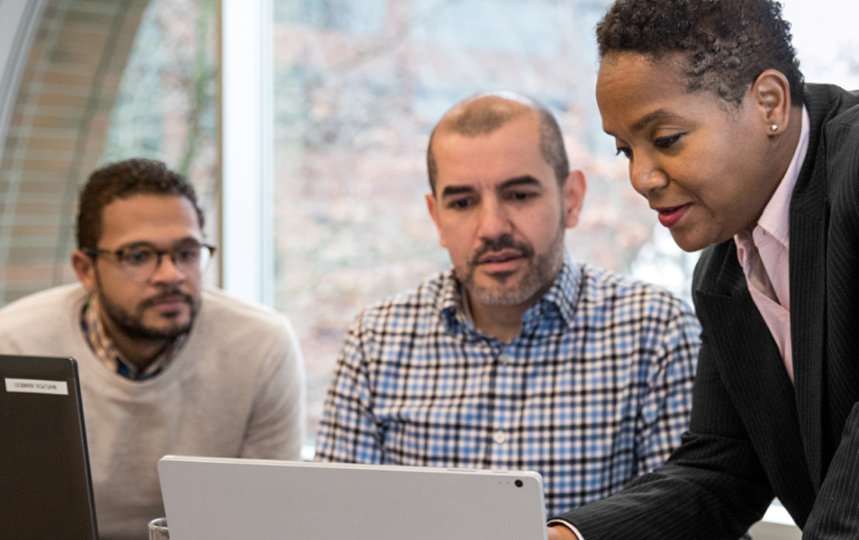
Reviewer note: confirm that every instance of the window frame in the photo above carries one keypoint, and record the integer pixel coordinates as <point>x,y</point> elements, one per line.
<point>247,140</point>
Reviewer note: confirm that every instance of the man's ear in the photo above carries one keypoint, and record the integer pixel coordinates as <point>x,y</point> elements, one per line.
<point>432,208</point>
<point>771,92</point>
<point>573,194</point>
<point>84,268</point>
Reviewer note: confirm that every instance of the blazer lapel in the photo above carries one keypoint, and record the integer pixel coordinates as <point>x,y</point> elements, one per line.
<point>808,218</point>
<point>752,368</point>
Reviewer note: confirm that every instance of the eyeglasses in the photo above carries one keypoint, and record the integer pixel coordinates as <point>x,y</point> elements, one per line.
<point>140,261</point>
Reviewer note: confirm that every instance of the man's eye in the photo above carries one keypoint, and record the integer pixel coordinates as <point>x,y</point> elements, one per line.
<point>459,204</point>
<point>188,254</point>
<point>137,257</point>
<point>520,195</point>
<point>667,142</point>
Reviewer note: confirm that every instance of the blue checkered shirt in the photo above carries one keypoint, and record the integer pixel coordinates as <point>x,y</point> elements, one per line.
<point>595,390</point>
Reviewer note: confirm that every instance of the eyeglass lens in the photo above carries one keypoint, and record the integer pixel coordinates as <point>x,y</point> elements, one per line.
<point>141,261</point>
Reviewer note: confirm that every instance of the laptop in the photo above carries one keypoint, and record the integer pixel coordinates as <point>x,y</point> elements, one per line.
<point>224,498</point>
<point>45,486</point>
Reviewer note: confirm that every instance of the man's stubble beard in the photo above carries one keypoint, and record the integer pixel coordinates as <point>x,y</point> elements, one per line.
<point>540,273</point>
<point>132,325</point>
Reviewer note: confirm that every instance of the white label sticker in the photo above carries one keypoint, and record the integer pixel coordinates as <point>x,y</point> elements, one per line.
<point>37,386</point>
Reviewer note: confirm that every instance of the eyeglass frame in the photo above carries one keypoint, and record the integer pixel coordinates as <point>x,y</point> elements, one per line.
<point>117,255</point>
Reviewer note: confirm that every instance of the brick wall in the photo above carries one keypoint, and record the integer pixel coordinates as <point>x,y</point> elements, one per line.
<point>57,135</point>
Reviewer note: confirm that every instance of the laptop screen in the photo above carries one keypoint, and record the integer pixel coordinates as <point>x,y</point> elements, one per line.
<point>209,498</point>
<point>44,471</point>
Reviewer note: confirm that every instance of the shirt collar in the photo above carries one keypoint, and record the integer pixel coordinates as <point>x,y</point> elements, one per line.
<point>109,354</point>
<point>564,292</point>
<point>775,219</point>
<point>560,298</point>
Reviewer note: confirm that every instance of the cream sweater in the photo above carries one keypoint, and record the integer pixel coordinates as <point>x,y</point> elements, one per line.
<point>234,390</point>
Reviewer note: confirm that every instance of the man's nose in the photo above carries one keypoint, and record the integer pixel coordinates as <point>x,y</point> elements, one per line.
<point>166,269</point>
<point>494,220</point>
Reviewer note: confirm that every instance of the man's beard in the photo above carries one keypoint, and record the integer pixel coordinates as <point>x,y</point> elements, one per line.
<point>131,324</point>
<point>540,272</point>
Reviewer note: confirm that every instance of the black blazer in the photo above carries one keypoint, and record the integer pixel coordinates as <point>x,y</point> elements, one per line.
<point>753,434</point>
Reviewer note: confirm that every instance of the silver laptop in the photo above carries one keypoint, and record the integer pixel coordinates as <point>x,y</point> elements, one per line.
<point>45,487</point>
<point>220,498</point>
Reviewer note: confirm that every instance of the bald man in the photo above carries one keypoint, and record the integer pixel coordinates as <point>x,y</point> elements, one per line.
<point>517,357</point>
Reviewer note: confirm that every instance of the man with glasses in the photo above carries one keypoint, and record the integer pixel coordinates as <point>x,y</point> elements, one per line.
<point>167,366</point>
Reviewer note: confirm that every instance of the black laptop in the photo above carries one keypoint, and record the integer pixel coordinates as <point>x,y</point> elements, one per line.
<point>45,486</point>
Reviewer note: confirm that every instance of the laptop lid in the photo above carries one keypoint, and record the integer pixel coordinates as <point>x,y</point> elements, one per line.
<point>220,498</point>
<point>45,488</point>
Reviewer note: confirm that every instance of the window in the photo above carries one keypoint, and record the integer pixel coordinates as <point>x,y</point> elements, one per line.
<point>359,86</point>
<point>103,81</point>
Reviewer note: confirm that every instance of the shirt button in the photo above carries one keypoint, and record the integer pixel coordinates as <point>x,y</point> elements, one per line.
<point>505,359</point>
<point>499,437</point>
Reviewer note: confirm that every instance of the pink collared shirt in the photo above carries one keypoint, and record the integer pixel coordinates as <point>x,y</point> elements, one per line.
<point>763,254</point>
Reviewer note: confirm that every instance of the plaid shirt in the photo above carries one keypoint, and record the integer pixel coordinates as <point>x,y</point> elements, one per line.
<point>595,390</point>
